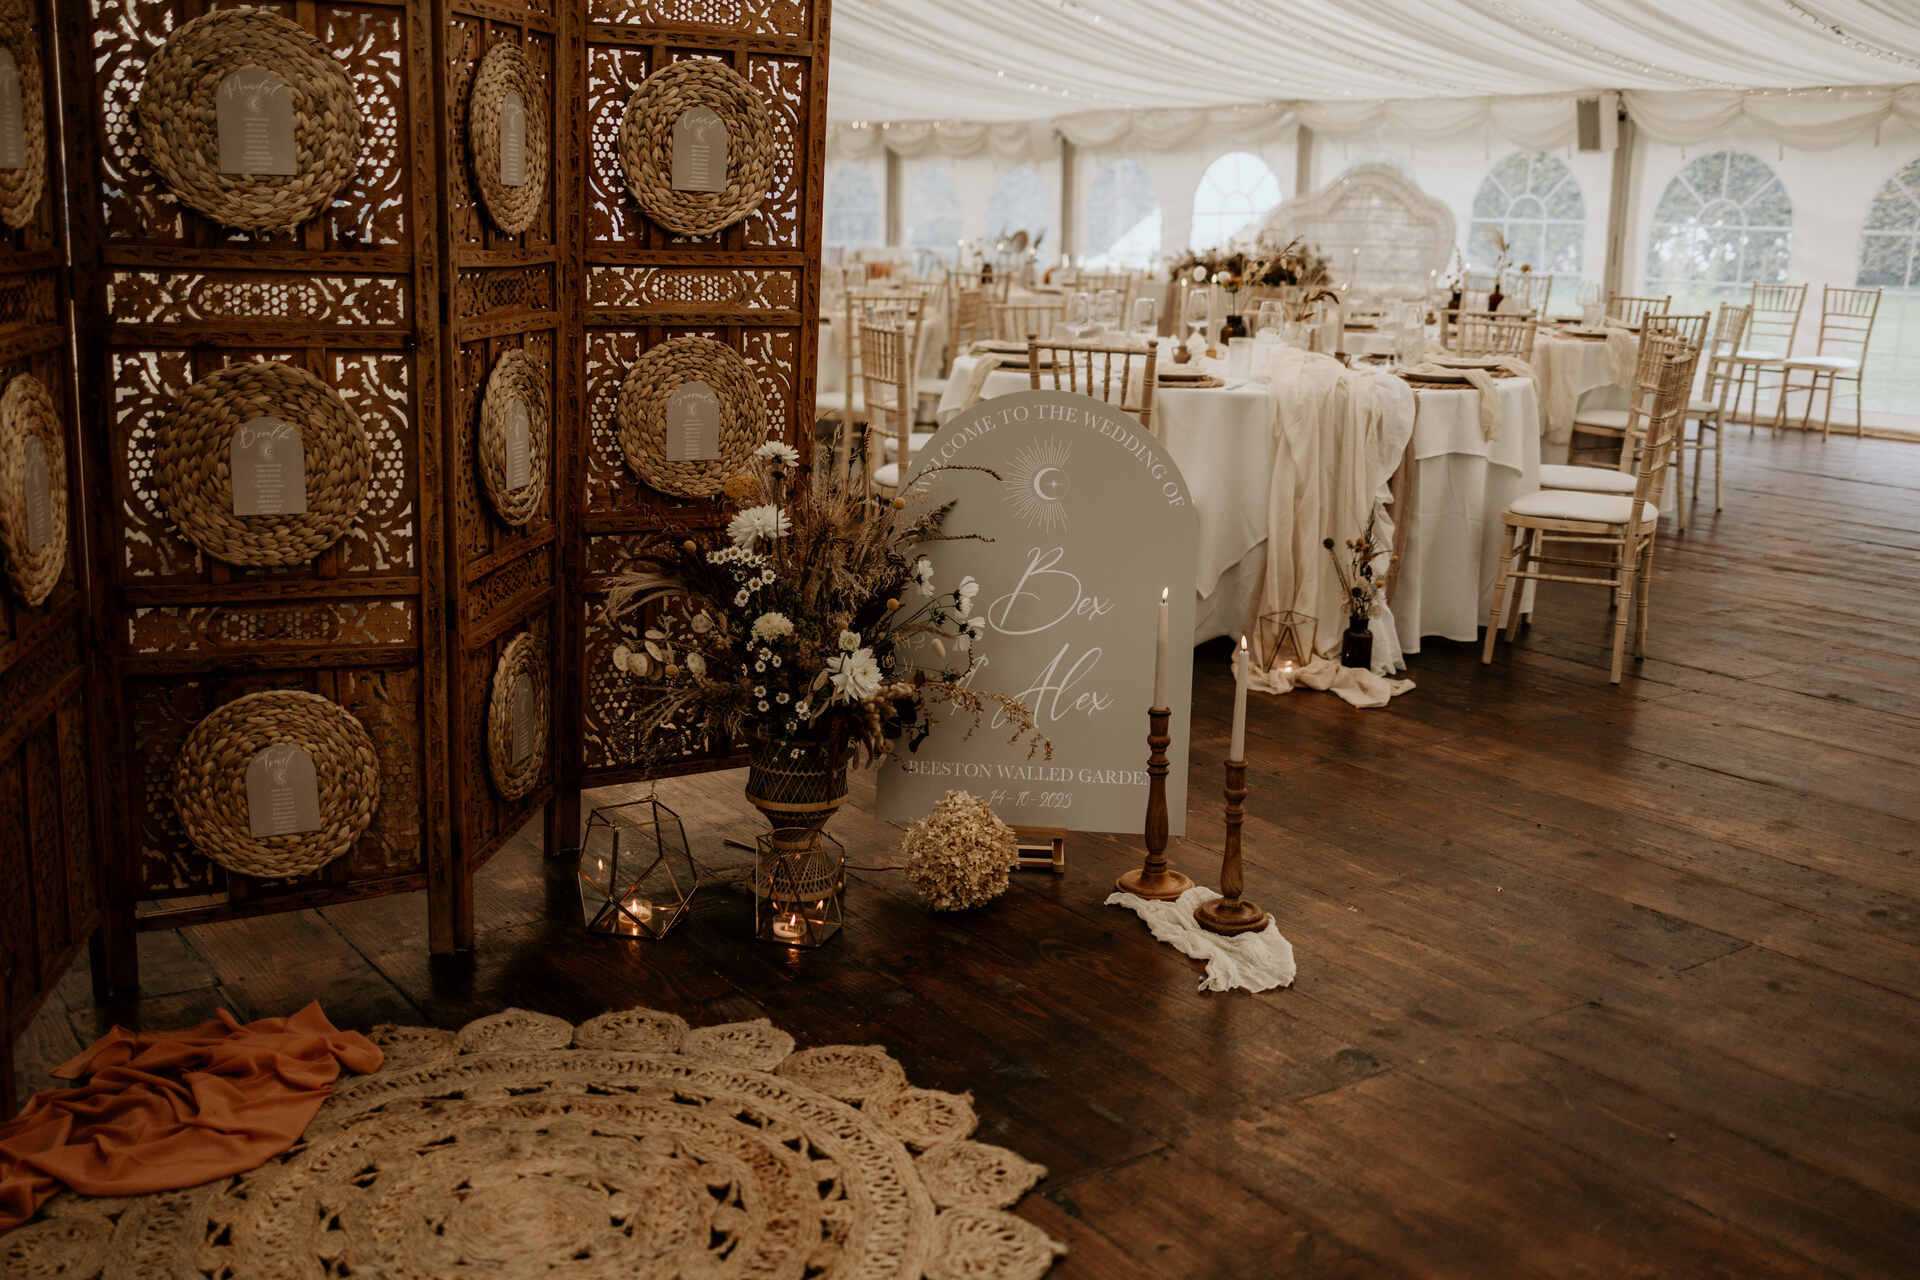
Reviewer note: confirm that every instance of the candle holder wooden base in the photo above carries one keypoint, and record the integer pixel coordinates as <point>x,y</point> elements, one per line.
<point>1230,913</point>
<point>1155,880</point>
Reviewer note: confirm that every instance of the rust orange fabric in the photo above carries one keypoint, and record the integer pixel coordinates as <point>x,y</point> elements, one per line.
<point>169,1109</point>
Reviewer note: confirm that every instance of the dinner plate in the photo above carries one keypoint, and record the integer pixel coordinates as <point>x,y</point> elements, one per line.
<point>1464,362</point>
<point>1581,331</point>
<point>1181,375</point>
<point>1433,373</point>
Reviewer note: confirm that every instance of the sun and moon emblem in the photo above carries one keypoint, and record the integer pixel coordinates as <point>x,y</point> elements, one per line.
<point>1036,484</point>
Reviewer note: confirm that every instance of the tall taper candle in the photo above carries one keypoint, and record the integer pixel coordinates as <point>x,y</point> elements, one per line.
<point>1160,653</point>
<point>1241,661</point>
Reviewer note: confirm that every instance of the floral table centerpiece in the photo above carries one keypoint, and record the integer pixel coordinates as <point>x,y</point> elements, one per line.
<point>802,633</point>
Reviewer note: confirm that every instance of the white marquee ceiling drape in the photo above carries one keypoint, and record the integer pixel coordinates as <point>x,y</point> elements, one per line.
<point>966,77</point>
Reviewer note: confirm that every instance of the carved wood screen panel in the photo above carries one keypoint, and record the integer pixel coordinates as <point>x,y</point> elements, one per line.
<point>50,835</point>
<point>352,297</point>
<point>751,286</point>
<point>507,296</point>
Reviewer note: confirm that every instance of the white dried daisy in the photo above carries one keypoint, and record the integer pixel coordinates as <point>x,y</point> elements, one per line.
<point>771,626</point>
<point>754,523</point>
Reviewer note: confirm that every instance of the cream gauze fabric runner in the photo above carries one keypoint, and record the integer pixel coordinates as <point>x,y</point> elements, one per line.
<point>1257,961</point>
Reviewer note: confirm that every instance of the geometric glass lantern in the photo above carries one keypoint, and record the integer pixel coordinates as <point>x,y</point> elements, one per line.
<point>1291,642</point>
<point>636,873</point>
<point>799,883</point>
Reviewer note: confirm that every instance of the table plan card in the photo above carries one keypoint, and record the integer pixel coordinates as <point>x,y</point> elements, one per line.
<point>13,115</point>
<point>513,140</point>
<point>519,443</point>
<point>693,423</point>
<point>283,795</point>
<point>37,480</point>
<point>269,466</point>
<point>699,151</point>
<point>1087,517</point>
<point>522,720</point>
<point>253,114</point>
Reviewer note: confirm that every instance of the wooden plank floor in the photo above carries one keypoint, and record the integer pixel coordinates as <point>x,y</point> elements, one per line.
<point>1593,981</point>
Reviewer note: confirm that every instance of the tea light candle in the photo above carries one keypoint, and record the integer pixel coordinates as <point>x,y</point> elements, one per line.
<point>1237,750</point>
<point>639,912</point>
<point>1160,652</point>
<point>789,927</point>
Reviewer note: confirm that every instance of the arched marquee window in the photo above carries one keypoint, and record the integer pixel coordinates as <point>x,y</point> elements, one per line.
<point>933,210</point>
<point>1533,199</point>
<point>1235,192</point>
<point>1723,222</point>
<point>1890,260</point>
<point>1021,201</point>
<point>1122,216</point>
<point>854,217</point>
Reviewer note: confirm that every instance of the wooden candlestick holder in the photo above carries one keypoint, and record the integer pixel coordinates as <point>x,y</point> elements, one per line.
<point>1155,879</point>
<point>1231,913</point>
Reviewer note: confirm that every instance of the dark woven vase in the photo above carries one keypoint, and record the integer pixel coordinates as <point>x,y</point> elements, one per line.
<point>798,786</point>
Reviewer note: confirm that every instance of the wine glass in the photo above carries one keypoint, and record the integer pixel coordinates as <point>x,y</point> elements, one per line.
<point>1593,304</point>
<point>1199,309</point>
<point>1079,317</point>
<point>1107,310</point>
<point>1146,317</point>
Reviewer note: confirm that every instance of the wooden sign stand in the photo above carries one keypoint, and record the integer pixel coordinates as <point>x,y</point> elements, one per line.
<point>1040,849</point>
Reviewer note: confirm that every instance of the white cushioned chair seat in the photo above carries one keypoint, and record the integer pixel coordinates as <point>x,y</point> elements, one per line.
<point>1585,479</point>
<point>890,445</point>
<point>1697,407</point>
<point>935,387</point>
<point>1845,364</point>
<point>1755,353</point>
<point>834,402</point>
<point>1594,508</point>
<point>1606,419</point>
<point>888,476</point>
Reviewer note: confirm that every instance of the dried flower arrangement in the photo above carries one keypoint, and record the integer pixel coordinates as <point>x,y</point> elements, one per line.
<point>960,854</point>
<point>1269,264</point>
<point>1362,587</point>
<point>803,626</point>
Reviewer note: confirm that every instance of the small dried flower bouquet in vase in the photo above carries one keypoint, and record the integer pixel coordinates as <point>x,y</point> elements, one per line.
<point>1363,585</point>
<point>798,634</point>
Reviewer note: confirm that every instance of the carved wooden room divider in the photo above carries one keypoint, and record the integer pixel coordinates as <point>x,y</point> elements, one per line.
<point>447,296</point>
<point>50,831</point>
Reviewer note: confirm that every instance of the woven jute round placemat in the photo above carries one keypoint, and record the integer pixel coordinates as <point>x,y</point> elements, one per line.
<point>515,379</point>
<point>525,655</point>
<point>179,126</point>
<point>194,478</point>
<point>646,146</point>
<point>497,1151</point>
<point>505,69</point>
<point>210,781</point>
<point>27,412</point>
<point>641,414</point>
<point>21,189</point>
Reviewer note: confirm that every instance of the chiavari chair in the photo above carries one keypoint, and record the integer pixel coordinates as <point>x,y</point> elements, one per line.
<point>1016,321</point>
<point>886,373</point>
<point>1846,326</point>
<point>1543,527</point>
<point>1771,331</point>
<point>1626,309</point>
<point>1105,373</point>
<point>1492,333</point>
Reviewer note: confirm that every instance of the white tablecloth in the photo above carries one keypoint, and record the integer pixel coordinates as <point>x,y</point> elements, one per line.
<point>1565,368</point>
<point>1463,486</point>
<point>1221,438</point>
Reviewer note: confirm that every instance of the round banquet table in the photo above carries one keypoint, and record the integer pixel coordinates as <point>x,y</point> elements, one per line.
<point>1462,485</point>
<point>1566,367</point>
<point>1222,440</point>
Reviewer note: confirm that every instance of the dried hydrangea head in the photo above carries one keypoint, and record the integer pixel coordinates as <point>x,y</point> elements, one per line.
<point>959,855</point>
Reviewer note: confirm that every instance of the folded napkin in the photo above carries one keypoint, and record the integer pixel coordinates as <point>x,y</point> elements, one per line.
<point>1352,685</point>
<point>982,369</point>
<point>1623,354</point>
<point>1482,380</point>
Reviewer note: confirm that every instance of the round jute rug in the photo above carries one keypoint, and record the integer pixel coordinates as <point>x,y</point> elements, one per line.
<point>628,1146</point>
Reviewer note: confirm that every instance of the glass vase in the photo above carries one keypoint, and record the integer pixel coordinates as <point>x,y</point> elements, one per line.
<point>1356,644</point>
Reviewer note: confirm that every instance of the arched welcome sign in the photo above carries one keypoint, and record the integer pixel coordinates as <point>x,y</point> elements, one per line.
<point>1088,518</point>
